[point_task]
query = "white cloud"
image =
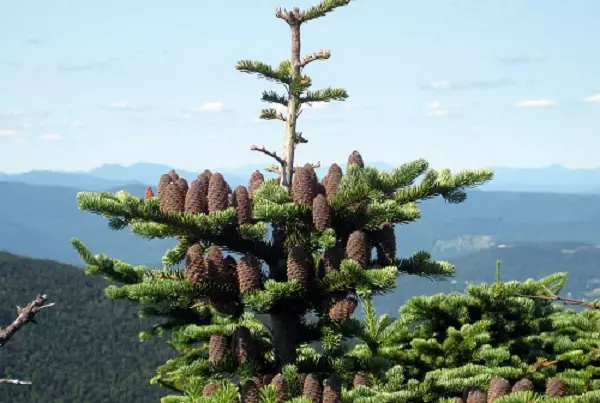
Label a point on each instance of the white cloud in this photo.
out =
(436, 108)
(212, 107)
(594, 98)
(8, 133)
(76, 124)
(535, 103)
(50, 137)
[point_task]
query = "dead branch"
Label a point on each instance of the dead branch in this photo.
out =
(322, 54)
(271, 154)
(15, 382)
(565, 301)
(291, 17)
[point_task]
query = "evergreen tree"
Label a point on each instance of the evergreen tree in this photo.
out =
(273, 271)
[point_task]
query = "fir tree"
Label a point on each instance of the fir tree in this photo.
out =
(273, 271)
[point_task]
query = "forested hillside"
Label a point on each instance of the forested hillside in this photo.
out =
(84, 349)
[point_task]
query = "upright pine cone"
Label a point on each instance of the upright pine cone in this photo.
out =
(209, 389)
(256, 179)
(458, 400)
(312, 389)
(476, 395)
(556, 387)
(250, 392)
(356, 159)
(314, 179)
(149, 193)
(217, 193)
(229, 271)
(361, 379)
(173, 175)
(299, 267)
(248, 273)
(217, 348)
(332, 259)
(243, 345)
(356, 248)
(498, 387)
(303, 188)
(386, 244)
(302, 379)
(214, 261)
(196, 196)
(164, 181)
(195, 269)
(281, 386)
(332, 180)
(332, 393)
(183, 185)
(243, 206)
(320, 212)
(342, 308)
(522, 385)
(173, 198)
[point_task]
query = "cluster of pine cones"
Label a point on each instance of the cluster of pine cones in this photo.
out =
(555, 387)
(310, 385)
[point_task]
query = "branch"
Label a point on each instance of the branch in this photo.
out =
(273, 169)
(566, 301)
(322, 54)
(298, 139)
(297, 17)
(25, 315)
(15, 382)
(271, 154)
(271, 114)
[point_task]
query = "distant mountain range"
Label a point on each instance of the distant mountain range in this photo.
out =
(554, 179)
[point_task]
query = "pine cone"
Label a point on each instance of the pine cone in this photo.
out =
(356, 158)
(332, 393)
(331, 259)
(476, 395)
(217, 193)
(342, 308)
(320, 212)
(229, 272)
(250, 392)
(303, 189)
(314, 180)
(195, 269)
(332, 180)
(173, 175)
(209, 389)
(498, 387)
(248, 273)
(256, 179)
(196, 197)
(183, 185)
(522, 385)
(356, 248)
(243, 206)
(458, 400)
(556, 387)
(243, 345)
(386, 244)
(173, 199)
(217, 348)
(214, 261)
(149, 193)
(312, 389)
(299, 267)
(258, 381)
(164, 181)
(280, 384)
(361, 379)
(302, 379)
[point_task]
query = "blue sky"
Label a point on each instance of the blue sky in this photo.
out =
(462, 83)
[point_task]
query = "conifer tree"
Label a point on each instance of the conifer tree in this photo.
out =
(272, 272)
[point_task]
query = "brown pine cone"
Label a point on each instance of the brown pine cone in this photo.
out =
(195, 269)
(229, 272)
(386, 244)
(214, 261)
(183, 185)
(342, 308)
(458, 400)
(356, 248)
(332, 393)
(320, 212)
(556, 387)
(196, 196)
(258, 381)
(243, 205)
(218, 198)
(299, 267)
(149, 193)
(164, 181)
(314, 180)
(476, 395)
(250, 392)
(248, 273)
(522, 385)
(301, 379)
(218, 347)
(361, 379)
(243, 345)
(331, 259)
(281, 386)
(209, 389)
(332, 180)
(312, 389)
(498, 387)
(256, 179)
(173, 175)
(356, 158)
(173, 199)
(303, 190)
